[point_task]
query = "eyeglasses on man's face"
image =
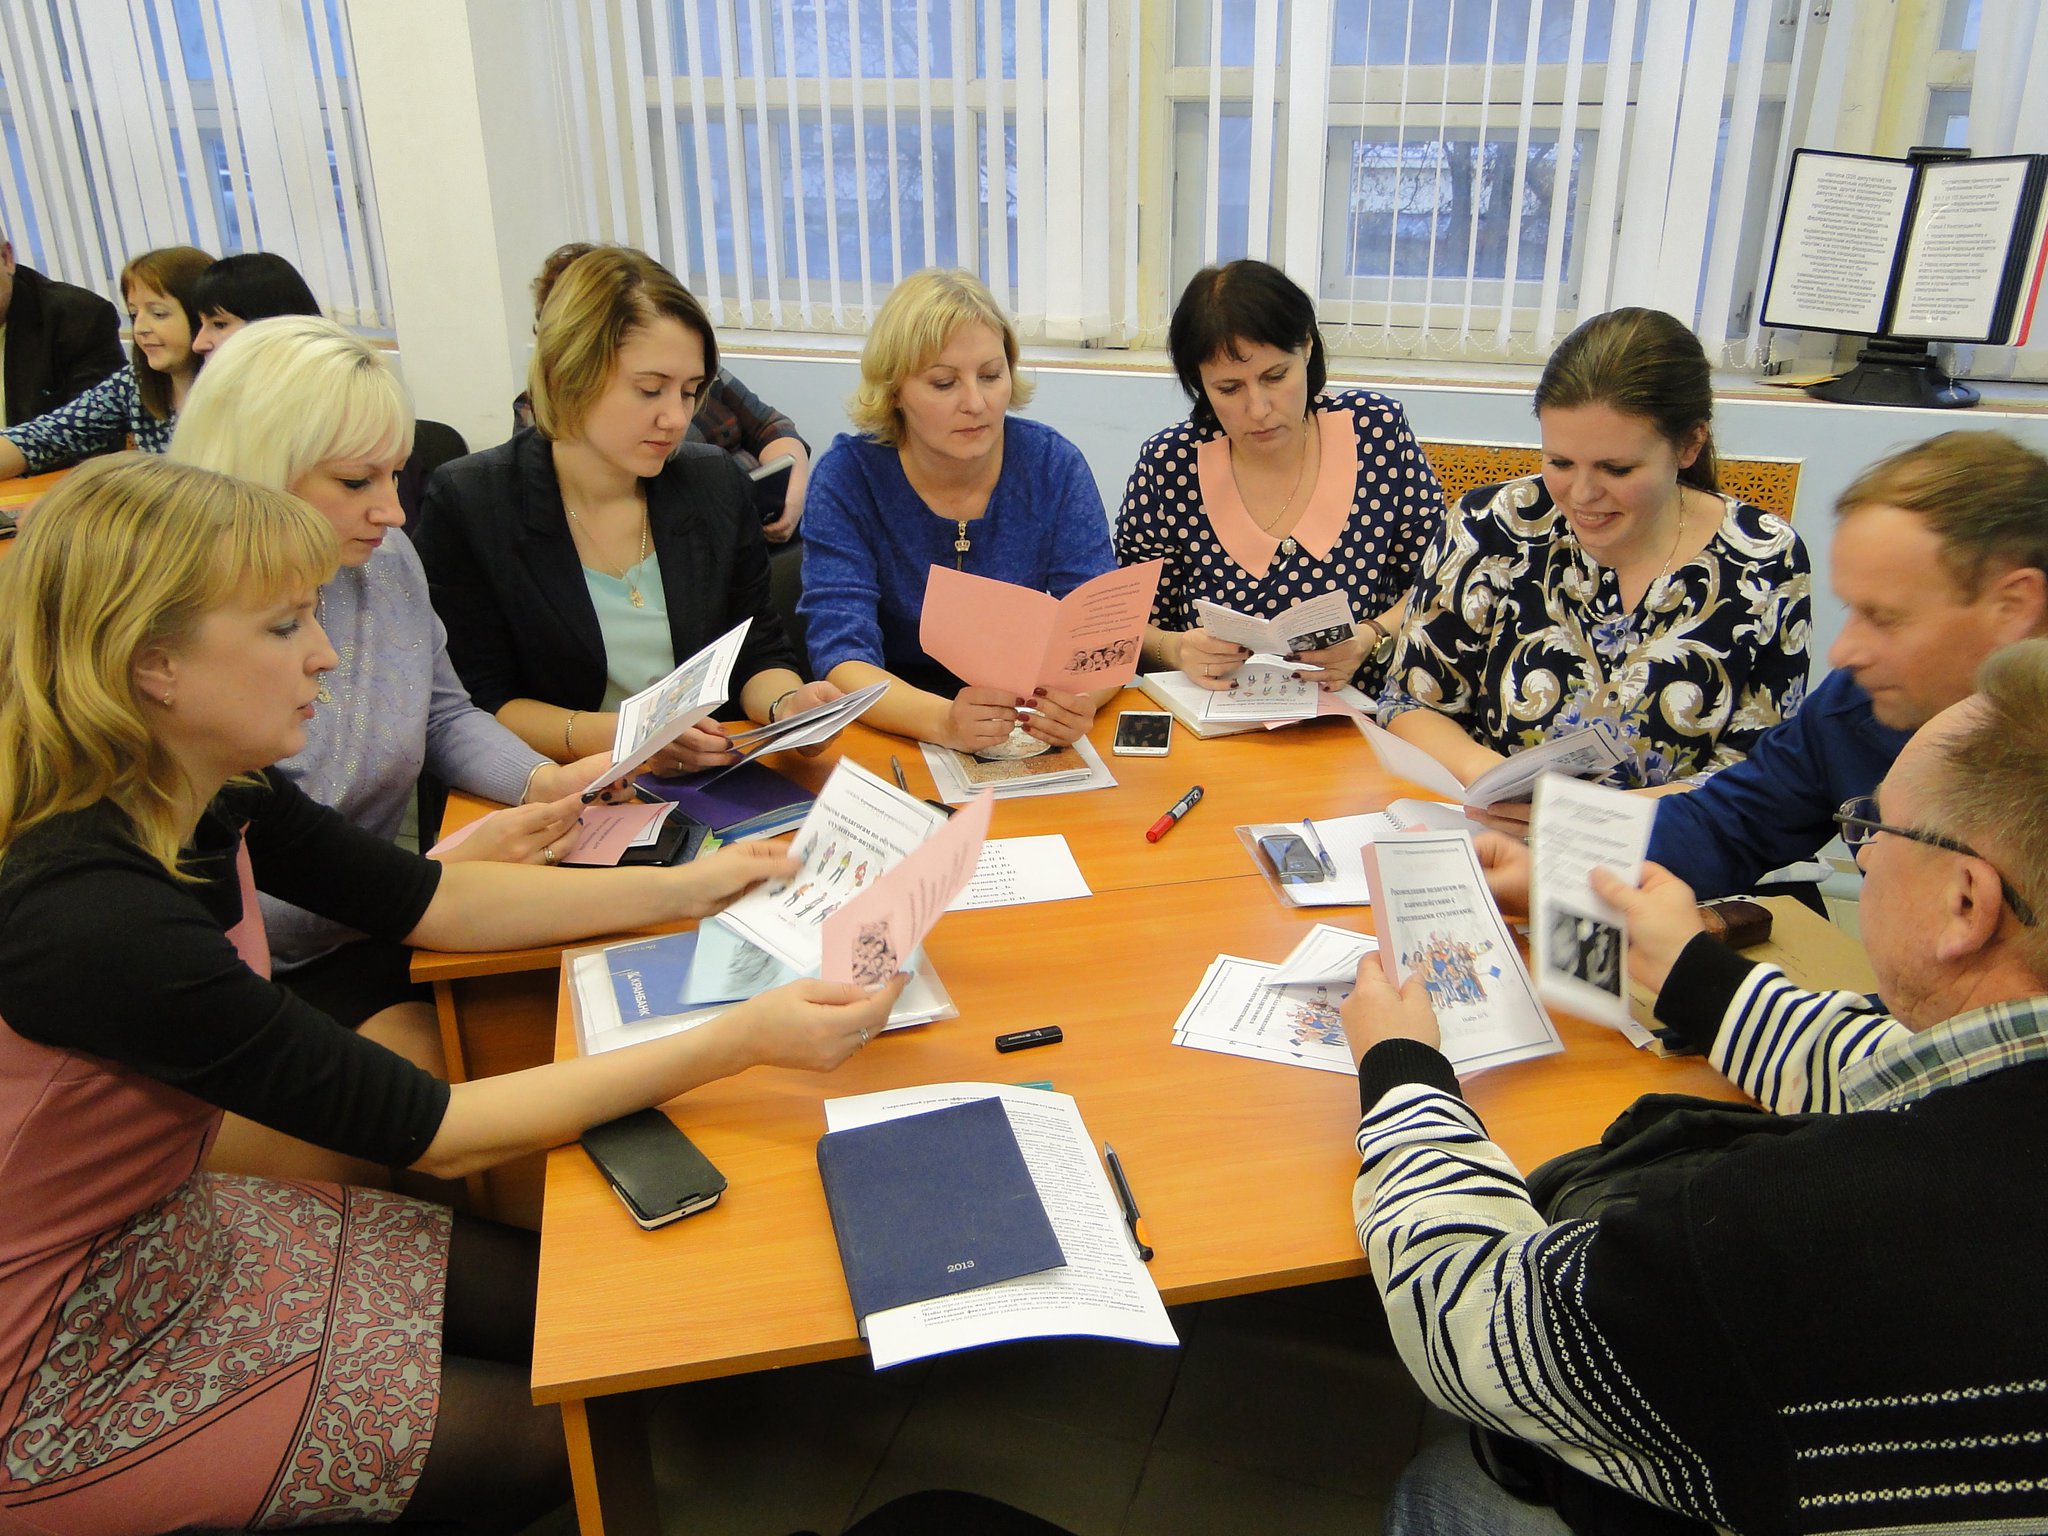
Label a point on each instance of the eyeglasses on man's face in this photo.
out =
(1858, 819)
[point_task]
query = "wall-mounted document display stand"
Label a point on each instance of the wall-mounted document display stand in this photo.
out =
(1934, 247)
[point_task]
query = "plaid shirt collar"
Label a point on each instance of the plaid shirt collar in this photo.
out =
(1969, 1045)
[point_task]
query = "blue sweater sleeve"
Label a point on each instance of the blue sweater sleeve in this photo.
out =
(1777, 805)
(1080, 546)
(842, 587)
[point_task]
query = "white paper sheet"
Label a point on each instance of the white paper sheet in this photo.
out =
(663, 710)
(1314, 624)
(1263, 693)
(1327, 954)
(1015, 871)
(1578, 944)
(1236, 1011)
(1343, 882)
(1581, 754)
(1103, 1291)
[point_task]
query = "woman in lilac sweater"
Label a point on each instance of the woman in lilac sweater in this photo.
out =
(941, 475)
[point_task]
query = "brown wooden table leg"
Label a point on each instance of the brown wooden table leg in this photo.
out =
(610, 1465)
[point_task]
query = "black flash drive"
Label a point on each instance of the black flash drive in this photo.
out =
(1024, 1039)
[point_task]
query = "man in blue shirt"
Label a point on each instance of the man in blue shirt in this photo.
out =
(1940, 556)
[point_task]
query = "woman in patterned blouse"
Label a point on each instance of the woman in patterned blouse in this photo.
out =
(1620, 585)
(1274, 489)
(141, 403)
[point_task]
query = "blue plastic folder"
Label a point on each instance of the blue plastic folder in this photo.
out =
(932, 1205)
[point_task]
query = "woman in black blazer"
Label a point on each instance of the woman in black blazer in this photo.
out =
(589, 555)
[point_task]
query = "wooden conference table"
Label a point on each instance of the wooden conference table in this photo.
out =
(25, 492)
(1243, 1168)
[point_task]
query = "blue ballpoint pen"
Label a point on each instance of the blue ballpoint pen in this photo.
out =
(1322, 853)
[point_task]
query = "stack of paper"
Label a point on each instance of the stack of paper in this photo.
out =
(1327, 866)
(1188, 702)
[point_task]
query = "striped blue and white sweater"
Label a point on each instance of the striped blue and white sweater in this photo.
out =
(1837, 1329)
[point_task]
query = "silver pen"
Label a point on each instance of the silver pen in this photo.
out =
(1322, 853)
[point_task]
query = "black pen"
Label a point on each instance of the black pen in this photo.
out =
(1128, 1201)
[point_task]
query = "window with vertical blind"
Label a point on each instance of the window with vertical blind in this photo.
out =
(1458, 178)
(231, 125)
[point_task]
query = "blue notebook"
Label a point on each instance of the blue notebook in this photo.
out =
(752, 800)
(651, 977)
(933, 1204)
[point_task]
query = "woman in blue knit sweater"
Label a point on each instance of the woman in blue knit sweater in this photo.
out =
(940, 474)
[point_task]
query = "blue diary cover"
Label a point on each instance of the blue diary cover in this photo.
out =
(933, 1204)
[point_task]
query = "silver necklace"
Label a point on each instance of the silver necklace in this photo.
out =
(633, 594)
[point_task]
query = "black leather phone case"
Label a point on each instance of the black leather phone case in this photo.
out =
(656, 1170)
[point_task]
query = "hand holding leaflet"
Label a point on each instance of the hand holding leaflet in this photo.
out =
(662, 711)
(1313, 624)
(866, 939)
(821, 722)
(1577, 942)
(1585, 754)
(996, 634)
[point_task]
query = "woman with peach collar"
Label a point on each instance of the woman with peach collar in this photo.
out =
(1275, 489)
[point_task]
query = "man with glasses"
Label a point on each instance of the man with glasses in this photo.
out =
(1938, 555)
(1831, 1324)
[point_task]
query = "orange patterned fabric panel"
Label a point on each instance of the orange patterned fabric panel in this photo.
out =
(1772, 484)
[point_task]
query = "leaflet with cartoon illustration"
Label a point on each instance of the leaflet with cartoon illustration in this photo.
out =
(866, 939)
(1313, 624)
(1433, 914)
(858, 830)
(996, 634)
(1238, 1011)
(1578, 945)
(663, 710)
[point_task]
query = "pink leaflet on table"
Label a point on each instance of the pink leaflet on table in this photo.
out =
(996, 634)
(868, 939)
(607, 831)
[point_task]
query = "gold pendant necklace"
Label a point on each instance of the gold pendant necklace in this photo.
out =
(960, 545)
(1287, 544)
(633, 593)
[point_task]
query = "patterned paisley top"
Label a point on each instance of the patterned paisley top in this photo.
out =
(1519, 635)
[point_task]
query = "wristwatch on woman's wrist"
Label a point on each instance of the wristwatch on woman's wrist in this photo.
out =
(1382, 649)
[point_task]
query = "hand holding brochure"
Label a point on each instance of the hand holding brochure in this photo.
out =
(1433, 915)
(662, 711)
(821, 722)
(1313, 624)
(1585, 754)
(866, 939)
(1578, 942)
(858, 829)
(996, 634)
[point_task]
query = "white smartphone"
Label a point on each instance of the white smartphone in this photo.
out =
(1143, 733)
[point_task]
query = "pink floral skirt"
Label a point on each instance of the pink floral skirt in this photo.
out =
(246, 1353)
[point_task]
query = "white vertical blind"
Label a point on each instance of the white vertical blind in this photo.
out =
(1448, 177)
(226, 124)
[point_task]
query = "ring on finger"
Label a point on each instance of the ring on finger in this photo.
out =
(863, 1035)
(547, 853)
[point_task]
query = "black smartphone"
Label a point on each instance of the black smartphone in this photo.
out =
(653, 1167)
(771, 485)
(1293, 863)
(1143, 733)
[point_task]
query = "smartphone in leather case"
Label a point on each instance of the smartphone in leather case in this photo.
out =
(653, 1167)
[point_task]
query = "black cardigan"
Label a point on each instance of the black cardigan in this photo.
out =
(507, 583)
(61, 341)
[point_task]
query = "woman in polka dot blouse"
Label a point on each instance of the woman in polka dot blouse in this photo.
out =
(1275, 489)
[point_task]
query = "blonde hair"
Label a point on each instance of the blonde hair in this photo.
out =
(125, 557)
(289, 394)
(915, 323)
(1992, 778)
(174, 272)
(593, 305)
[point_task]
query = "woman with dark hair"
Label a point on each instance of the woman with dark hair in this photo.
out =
(585, 558)
(237, 290)
(141, 402)
(1275, 489)
(1620, 585)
